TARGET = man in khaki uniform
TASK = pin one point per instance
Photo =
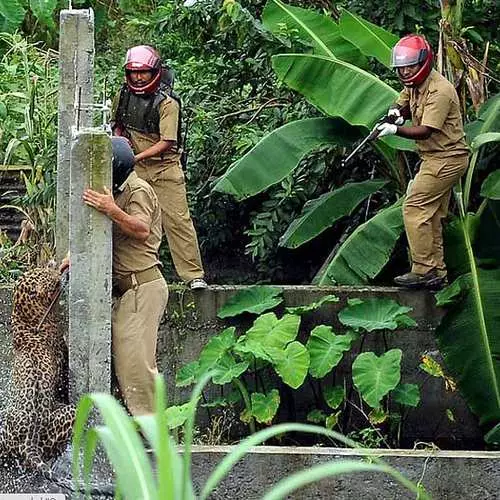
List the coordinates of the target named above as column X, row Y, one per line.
column 432, row 103
column 139, row 289
column 148, row 114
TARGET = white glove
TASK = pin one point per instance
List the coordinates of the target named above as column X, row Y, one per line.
column 397, row 117
column 386, row 129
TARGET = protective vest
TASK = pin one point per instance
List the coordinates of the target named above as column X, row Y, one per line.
column 142, row 112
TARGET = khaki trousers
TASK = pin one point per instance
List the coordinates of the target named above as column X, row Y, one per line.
column 170, row 188
column 135, row 320
column 424, row 209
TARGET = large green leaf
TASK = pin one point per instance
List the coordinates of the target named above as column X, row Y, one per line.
column 323, row 212
column 315, row 29
column 227, row 369
column 188, row 374
column 326, row 350
column 255, row 299
column 12, row 13
column 491, row 186
column 488, row 119
column 279, row 153
column 371, row 39
column 335, row 87
column 469, row 339
column 366, row 251
column 376, row 313
column 407, row 394
column 216, row 347
column 334, row 396
column 293, row 365
column 268, row 332
column 264, row 407
column 375, row 376
column 44, row 10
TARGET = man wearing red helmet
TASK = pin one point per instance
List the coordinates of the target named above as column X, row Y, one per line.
column 148, row 113
column 432, row 103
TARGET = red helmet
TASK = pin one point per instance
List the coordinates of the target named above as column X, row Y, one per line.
column 410, row 50
column 143, row 58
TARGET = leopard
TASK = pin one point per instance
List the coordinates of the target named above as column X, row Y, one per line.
column 38, row 422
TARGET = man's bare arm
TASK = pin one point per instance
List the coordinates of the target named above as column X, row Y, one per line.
column 417, row 132
column 156, row 150
column 105, row 203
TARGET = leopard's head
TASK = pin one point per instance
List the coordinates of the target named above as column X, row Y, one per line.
column 33, row 294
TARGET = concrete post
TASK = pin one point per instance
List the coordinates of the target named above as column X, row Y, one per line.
column 91, row 257
column 76, row 63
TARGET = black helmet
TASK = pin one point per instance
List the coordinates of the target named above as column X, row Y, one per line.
column 123, row 161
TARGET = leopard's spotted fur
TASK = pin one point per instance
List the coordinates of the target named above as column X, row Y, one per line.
column 37, row 423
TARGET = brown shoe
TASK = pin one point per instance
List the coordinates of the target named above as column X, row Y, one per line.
column 428, row 280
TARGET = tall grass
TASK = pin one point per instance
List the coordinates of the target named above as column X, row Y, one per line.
column 172, row 481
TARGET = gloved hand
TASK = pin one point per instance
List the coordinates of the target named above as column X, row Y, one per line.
column 395, row 116
column 386, row 129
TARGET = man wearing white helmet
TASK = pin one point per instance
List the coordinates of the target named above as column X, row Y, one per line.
column 148, row 113
column 432, row 103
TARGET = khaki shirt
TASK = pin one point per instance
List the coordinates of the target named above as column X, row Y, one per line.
column 169, row 120
column 137, row 199
column 435, row 104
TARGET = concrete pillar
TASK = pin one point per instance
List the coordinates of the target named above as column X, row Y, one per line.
column 90, row 245
column 76, row 63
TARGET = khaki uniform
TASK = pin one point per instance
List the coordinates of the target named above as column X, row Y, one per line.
column 141, row 296
column 166, row 177
column 444, row 156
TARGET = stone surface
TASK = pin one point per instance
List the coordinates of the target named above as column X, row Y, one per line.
column 445, row 475
column 89, row 296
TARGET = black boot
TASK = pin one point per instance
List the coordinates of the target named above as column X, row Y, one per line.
column 429, row 280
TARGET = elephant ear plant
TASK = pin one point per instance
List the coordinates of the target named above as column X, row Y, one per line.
column 265, row 362
column 170, row 476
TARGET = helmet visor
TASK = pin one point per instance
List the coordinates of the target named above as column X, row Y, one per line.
column 406, row 56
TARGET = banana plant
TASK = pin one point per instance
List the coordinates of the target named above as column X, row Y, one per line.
column 469, row 334
column 332, row 75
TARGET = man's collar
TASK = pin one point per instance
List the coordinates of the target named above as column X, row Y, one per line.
column 131, row 177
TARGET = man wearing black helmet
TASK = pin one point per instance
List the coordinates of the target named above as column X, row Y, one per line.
column 148, row 113
column 432, row 103
column 139, row 289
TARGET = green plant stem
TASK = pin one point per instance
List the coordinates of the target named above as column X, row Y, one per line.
column 248, row 404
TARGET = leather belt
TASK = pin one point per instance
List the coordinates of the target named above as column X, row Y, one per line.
column 133, row 280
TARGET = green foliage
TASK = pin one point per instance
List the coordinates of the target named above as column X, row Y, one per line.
column 256, row 299
column 326, row 350
column 469, row 331
column 376, row 314
column 171, row 480
column 324, row 211
column 375, row 376
column 268, row 351
column 326, row 299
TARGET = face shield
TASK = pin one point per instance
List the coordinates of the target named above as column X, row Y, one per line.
column 407, row 56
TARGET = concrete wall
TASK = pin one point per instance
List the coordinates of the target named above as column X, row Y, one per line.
column 445, row 475
column 192, row 319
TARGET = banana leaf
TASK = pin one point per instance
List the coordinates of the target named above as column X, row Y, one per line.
column 335, row 87
column 469, row 340
column 279, row 153
column 320, row 31
column 366, row 251
column 11, row 15
column 371, row 40
column 323, row 212
column 487, row 121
